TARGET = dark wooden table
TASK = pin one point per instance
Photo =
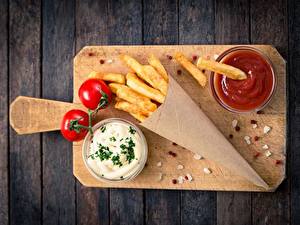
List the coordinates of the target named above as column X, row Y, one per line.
column 38, row 41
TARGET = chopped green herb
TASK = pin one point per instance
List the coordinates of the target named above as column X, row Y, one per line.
column 128, row 150
column 102, row 175
column 103, row 129
column 132, row 130
column 116, row 160
column 121, row 177
column 121, row 139
column 103, row 153
column 112, row 139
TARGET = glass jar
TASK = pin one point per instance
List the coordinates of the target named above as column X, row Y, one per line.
column 134, row 171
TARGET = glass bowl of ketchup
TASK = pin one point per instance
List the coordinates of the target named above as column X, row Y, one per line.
column 251, row 94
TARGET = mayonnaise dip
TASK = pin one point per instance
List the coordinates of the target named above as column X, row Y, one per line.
column 115, row 150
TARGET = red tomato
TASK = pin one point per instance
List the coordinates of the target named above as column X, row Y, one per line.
column 94, row 94
column 74, row 125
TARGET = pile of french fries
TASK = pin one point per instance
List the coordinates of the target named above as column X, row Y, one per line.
column 142, row 90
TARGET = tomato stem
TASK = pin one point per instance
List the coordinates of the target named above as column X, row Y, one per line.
column 103, row 102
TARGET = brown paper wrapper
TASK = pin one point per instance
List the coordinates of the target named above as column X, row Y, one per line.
column 180, row 120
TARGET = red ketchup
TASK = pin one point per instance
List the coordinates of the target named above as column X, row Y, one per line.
column 249, row 94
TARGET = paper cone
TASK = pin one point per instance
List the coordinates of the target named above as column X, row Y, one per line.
column 180, row 120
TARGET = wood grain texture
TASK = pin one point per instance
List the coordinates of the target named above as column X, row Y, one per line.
column 232, row 22
column 125, row 27
column 271, row 208
column 32, row 115
column 294, row 108
column 232, row 26
column 58, row 51
column 4, row 170
column 160, row 27
column 87, row 60
column 196, row 26
column 25, row 79
column 93, row 205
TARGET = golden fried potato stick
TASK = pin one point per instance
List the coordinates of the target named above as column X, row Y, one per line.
column 140, row 117
column 139, row 86
column 191, row 68
column 114, row 87
column 136, row 67
column 111, row 77
column 221, row 68
column 135, row 98
column 158, row 82
column 153, row 61
column 131, row 108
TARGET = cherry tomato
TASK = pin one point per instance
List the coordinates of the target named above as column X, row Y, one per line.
column 94, row 94
column 74, row 125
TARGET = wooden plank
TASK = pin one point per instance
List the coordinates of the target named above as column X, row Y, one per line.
column 58, row 50
column 232, row 26
column 4, row 170
column 160, row 26
column 91, row 28
column 25, row 79
column 196, row 26
column 232, row 22
column 87, row 60
column 294, row 108
column 125, row 27
column 266, row 20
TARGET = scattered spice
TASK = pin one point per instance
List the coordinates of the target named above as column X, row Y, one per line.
column 237, row 128
column 256, row 138
column 186, row 177
column 180, row 167
column 257, row 154
column 197, row 157
column 267, row 129
column 203, row 71
column 102, row 61
column 91, row 54
column 194, row 57
column 174, row 181
column 260, row 112
column 159, row 164
column 234, row 123
column 180, row 179
column 109, row 61
column 247, row 139
column 160, row 176
column 170, row 57
column 179, row 72
column 189, row 177
column 207, row 170
column 265, row 147
column 172, row 153
column 254, row 126
column 278, row 162
column 268, row 153
column 253, row 122
column 230, row 136
column 174, row 143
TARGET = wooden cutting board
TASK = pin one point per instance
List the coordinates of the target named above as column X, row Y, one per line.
column 34, row 112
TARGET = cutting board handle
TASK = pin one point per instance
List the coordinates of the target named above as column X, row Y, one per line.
column 31, row 115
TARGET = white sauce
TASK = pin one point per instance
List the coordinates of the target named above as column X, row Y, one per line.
column 115, row 135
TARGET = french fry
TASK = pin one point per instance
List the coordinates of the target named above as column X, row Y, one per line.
column 139, row 86
column 111, row 77
column 140, row 117
column 221, row 68
column 191, row 68
column 114, row 87
column 136, row 67
column 153, row 61
column 158, row 82
column 135, row 98
column 131, row 108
